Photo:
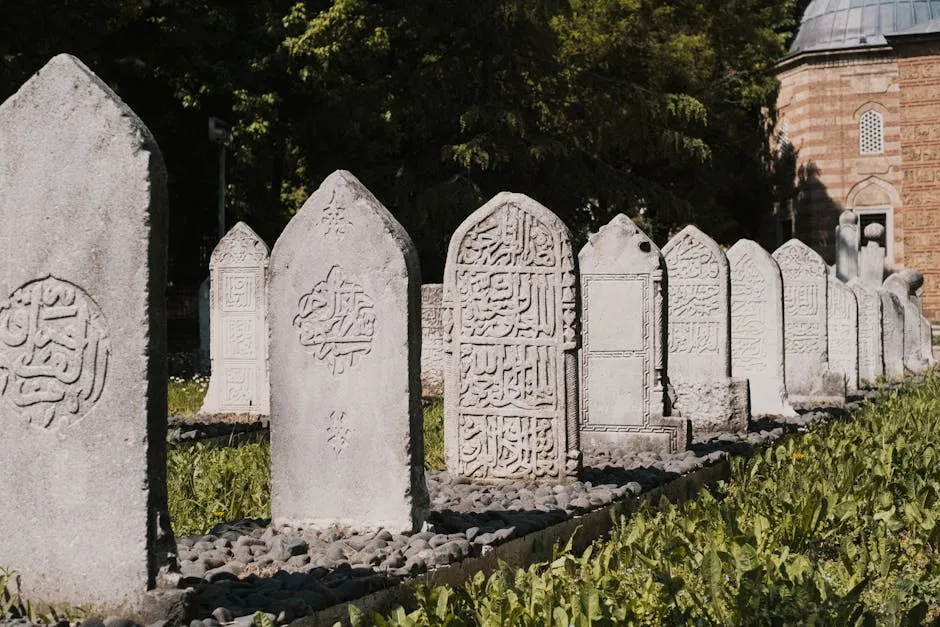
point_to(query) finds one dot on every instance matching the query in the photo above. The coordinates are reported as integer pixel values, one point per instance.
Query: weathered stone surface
(83, 215)
(346, 427)
(847, 246)
(902, 284)
(870, 333)
(699, 336)
(238, 271)
(432, 340)
(843, 333)
(510, 336)
(805, 331)
(892, 311)
(871, 258)
(757, 352)
(622, 367)
(204, 327)
(926, 342)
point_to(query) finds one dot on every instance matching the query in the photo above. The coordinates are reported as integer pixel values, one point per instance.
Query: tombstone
(892, 311)
(843, 333)
(699, 336)
(847, 246)
(238, 271)
(805, 330)
(900, 284)
(83, 217)
(757, 352)
(623, 394)
(871, 257)
(510, 338)
(432, 340)
(870, 333)
(202, 357)
(347, 444)
(915, 285)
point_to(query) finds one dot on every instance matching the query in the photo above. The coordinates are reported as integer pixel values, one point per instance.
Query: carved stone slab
(238, 273)
(83, 215)
(900, 285)
(847, 238)
(757, 352)
(870, 333)
(843, 333)
(805, 332)
(871, 257)
(432, 340)
(699, 335)
(510, 334)
(892, 311)
(344, 293)
(622, 366)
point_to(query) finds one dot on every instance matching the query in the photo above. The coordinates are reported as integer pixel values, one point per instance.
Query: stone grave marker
(901, 285)
(892, 310)
(843, 333)
(238, 270)
(699, 338)
(870, 333)
(204, 325)
(344, 293)
(432, 340)
(757, 352)
(622, 362)
(847, 246)
(805, 332)
(871, 257)
(510, 338)
(83, 397)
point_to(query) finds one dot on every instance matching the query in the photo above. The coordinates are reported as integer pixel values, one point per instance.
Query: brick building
(859, 102)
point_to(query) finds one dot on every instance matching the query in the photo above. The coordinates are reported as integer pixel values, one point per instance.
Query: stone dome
(834, 24)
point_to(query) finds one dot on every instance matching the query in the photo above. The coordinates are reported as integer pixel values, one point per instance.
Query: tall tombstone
(843, 333)
(238, 273)
(344, 293)
(203, 361)
(510, 338)
(699, 306)
(622, 362)
(847, 241)
(871, 257)
(892, 311)
(432, 340)
(870, 333)
(757, 352)
(805, 331)
(83, 219)
(900, 284)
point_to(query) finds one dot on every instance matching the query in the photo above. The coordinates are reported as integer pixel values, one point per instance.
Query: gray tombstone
(892, 312)
(870, 333)
(344, 293)
(805, 332)
(510, 338)
(757, 352)
(847, 246)
(622, 363)
(871, 257)
(699, 336)
(83, 218)
(901, 285)
(238, 271)
(202, 357)
(432, 340)
(843, 333)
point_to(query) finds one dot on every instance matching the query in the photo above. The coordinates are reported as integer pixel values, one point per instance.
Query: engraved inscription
(336, 321)
(507, 304)
(334, 221)
(697, 314)
(238, 292)
(504, 447)
(801, 299)
(748, 301)
(508, 375)
(239, 247)
(54, 350)
(337, 433)
(700, 338)
(239, 338)
(237, 385)
(692, 259)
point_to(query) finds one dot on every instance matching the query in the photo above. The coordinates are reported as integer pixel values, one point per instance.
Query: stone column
(847, 246)
(871, 258)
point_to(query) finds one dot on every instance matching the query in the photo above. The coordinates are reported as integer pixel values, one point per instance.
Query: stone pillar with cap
(847, 246)
(871, 257)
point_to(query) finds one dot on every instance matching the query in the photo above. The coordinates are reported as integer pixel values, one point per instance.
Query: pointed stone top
(747, 246)
(692, 246)
(241, 246)
(848, 218)
(526, 203)
(620, 243)
(794, 255)
(690, 232)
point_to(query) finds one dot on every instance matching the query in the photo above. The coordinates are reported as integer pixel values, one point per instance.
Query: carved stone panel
(892, 344)
(347, 443)
(83, 215)
(870, 333)
(847, 241)
(432, 340)
(238, 309)
(757, 352)
(843, 333)
(510, 335)
(622, 374)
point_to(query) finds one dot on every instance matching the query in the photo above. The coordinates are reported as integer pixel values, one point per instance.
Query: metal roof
(834, 24)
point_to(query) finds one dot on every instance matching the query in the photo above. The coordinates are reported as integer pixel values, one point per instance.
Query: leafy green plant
(184, 396)
(433, 433)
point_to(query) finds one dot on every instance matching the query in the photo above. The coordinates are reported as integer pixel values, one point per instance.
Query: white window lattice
(871, 133)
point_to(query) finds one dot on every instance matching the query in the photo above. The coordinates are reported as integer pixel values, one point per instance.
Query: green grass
(184, 396)
(433, 433)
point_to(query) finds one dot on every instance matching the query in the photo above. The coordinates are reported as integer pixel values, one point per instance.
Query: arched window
(871, 135)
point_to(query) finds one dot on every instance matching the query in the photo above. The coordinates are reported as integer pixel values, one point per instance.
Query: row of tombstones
(83, 214)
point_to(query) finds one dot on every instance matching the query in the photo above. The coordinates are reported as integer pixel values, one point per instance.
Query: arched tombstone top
(691, 254)
(796, 258)
(240, 247)
(897, 286)
(620, 244)
(913, 278)
(744, 251)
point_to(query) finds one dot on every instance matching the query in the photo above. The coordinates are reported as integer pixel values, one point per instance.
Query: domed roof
(833, 24)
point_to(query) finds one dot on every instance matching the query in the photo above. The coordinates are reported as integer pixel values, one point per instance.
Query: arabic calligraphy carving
(337, 434)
